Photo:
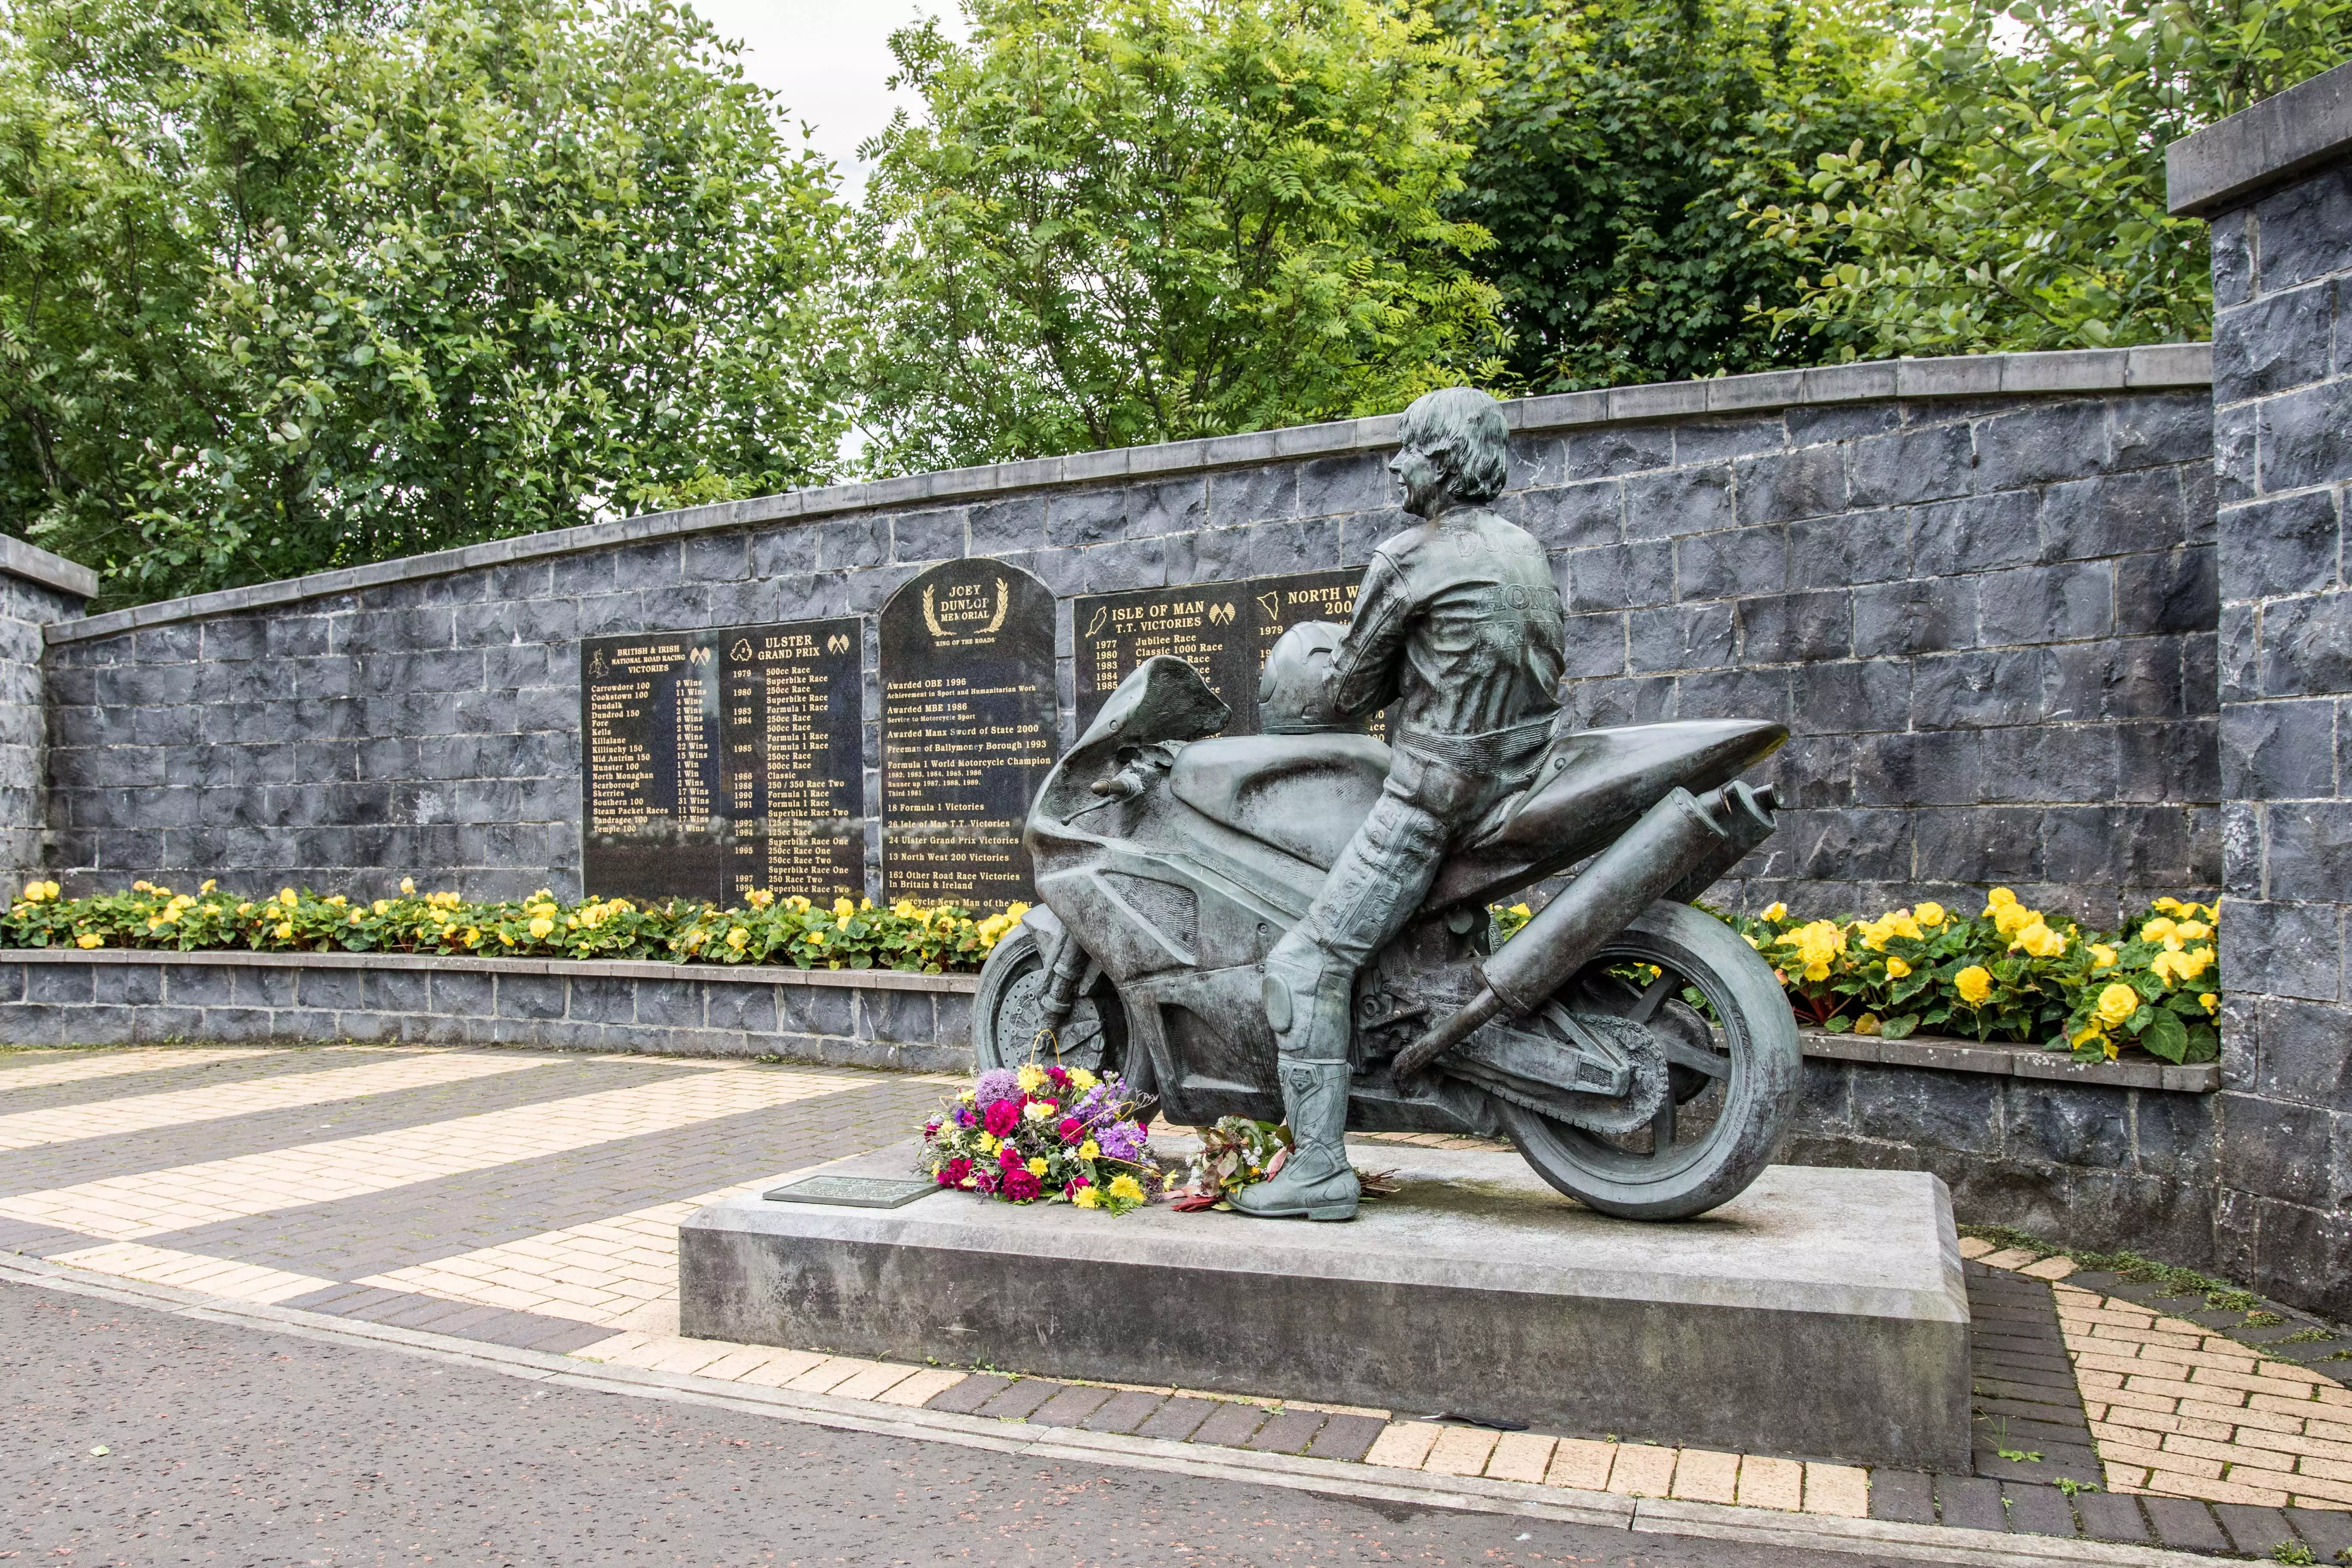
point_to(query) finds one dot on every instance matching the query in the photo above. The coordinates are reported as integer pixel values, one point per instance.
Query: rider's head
(1292, 699)
(1455, 448)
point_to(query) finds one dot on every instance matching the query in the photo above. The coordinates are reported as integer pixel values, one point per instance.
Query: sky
(828, 59)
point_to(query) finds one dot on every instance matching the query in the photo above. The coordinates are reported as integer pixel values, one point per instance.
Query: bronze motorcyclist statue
(1458, 625)
(1296, 921)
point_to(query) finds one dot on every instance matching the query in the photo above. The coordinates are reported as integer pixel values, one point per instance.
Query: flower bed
(2010, 972)
(765, 930)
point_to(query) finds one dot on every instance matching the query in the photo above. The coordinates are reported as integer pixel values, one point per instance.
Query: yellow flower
(1086, 1199)
(1817, 943)
(1774, 912)
(1089, 1150)
(2156, 930)
(1929, 914)
(1127, 1189)
(2171, 905)
(988, 1144)
(542, 927)
(89, 938)
(1866, 1024)
(1896, 968)
(737, 938)
(1523, 912)
(285, 930)
(1974, 984)
(408, 884)
(2000, 897)
(2192, 930)
(245, 908)
(138, 887)
(2011, 917)
(1031, 1077)
(209, 884)
(472, 936)
(2102, 955)
(843, 908)
(1081, 1079)
(759, 897)
(355, 918)
(2117, 1003)
(52, 888)
(1037, 1167)
(2209, 1001)
(36, 890)
(286, 897)
(2039, 941)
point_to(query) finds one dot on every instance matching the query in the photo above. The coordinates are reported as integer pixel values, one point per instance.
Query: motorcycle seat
(1304, 794)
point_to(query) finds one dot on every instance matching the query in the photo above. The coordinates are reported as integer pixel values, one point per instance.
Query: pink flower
(1020, 1186)
(1075, 1183)
(1002, 1118)
(1072, 1129)
(1008, 1158)
(955, 1172)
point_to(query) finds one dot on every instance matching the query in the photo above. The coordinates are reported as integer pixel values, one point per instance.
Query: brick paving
(534, 1203)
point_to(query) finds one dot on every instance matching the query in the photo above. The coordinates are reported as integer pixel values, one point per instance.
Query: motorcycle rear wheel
(1707, 1143)
(1006, 1027)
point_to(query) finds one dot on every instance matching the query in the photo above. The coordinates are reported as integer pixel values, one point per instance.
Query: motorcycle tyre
(1760, 1099)
(1017, 952)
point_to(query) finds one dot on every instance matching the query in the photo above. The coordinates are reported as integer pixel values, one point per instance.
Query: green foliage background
(294, 284)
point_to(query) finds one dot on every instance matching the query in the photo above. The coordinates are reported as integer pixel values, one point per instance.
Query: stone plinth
(1822, 1313)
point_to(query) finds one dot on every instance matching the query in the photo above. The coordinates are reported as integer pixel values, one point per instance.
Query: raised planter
(2012, 1061)
(845, 1018)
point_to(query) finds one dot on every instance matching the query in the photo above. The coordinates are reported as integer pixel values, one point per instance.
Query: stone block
(2276, 343)
(743, 1009)
(199, 985)
(1977, 690)
(1850, 548)
(1712, 440)
(2279, 751)
(2041, 445)
(1950, 1110)
(2307, 849)
(1618, 576)
(2029, 605)
(1679, 637)
(463, 996)
(139, 985)
(671, 1003)
(58, 983)
(263, 986)
(1570, 517)
(531, 996)
(1612, 452)
(1925, 615)
(1680, 501)
(1807, 482)
(1789, 629)
(2307, 646)
(1848, 1300)
(2287, 949)
(1975, 534)
(1925, 767)
(2077, 1125)
(2175, 590)
(1922, 463)
(2303, 1058)
(1853, 696)
(2303, 231)
(2301, 437)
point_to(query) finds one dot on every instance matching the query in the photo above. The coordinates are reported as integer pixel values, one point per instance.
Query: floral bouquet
(1050, 1132)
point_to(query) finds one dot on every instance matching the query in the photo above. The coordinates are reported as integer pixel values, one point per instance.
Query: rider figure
(1459, 624)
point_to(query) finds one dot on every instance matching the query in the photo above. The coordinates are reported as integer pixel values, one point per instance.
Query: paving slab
(1823, 1303)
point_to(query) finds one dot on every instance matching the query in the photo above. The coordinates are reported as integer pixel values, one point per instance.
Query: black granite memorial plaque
(716, 761)
(795, 760)
(1224, 629)
(1209, 625)
(649, 751)
(968, 731)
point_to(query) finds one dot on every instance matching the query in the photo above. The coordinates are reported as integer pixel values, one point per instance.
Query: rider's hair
(1468, 427)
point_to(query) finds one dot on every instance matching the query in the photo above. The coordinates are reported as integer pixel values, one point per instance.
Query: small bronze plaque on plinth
(850, 1192)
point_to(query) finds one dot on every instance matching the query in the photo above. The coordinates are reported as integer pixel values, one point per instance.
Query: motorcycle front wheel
(1008, 1008)
(1734, 1072)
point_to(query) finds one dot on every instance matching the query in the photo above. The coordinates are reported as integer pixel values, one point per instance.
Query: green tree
(286, 287)
(1143, 220)
(1619, 141)
(2023, 205)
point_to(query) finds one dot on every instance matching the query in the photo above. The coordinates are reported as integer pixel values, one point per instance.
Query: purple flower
(966, 1116)
(1121, 1139)
(995, 1084)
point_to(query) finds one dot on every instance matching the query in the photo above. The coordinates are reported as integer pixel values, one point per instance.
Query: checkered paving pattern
(186, 1107)
(133, 1207)
(533, 1201)
(165, 1148)
(23, 1070)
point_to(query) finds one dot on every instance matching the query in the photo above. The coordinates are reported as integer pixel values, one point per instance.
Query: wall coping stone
(2147, 368)
(2010, 1061)
(38, 565)
(583, 968)
(2266, 144)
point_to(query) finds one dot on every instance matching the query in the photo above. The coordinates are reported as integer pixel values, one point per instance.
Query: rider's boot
(1307, 1005)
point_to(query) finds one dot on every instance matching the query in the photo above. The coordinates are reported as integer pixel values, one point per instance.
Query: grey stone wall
(877, 1020)
(2282, 443)
(1980, 592)
(36, 590)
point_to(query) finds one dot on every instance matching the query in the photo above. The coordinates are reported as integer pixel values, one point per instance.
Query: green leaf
(2165, 1036)
(1897, 1027)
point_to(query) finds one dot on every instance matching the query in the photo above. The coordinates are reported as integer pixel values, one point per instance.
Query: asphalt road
(232, 1445)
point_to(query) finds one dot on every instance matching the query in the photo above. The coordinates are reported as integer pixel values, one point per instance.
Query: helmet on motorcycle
(1293, 695)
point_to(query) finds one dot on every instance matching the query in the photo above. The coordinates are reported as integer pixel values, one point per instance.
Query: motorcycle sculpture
(1637, 1051)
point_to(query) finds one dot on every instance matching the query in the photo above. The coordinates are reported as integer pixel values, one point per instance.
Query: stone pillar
(2275, 182)
(35, 588)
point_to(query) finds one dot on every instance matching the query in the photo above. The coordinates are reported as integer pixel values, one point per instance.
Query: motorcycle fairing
(1304, 795)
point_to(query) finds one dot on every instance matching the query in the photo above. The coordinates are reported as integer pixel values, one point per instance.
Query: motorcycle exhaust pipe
(1681, 843)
